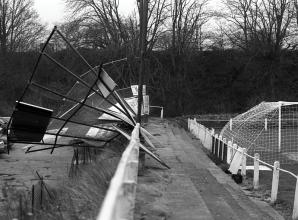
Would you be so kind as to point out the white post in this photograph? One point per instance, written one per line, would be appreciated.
(243, 165)
(205, 134)
(256, 171)
(275, 180)
(279, 127)
(230, 152)
(215, 140)
(218, 147)
(224, 140)
(188, 123)
(266, 124)
(231, 124)
(161, 113)
(295, 207)
(234, 149)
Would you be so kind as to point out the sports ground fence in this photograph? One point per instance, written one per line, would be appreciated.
(236, 157)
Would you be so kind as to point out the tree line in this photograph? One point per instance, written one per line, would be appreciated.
(199, 59)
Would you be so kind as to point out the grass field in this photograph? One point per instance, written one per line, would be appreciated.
(286, 189)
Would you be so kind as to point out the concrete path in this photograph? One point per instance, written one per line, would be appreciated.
(194, 187)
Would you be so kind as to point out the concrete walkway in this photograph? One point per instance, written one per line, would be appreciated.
(194, 187)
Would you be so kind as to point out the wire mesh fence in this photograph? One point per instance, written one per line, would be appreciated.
(270, 129)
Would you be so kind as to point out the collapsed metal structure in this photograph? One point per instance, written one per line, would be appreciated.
(89, 113)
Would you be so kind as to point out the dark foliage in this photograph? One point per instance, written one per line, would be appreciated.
(206, 82)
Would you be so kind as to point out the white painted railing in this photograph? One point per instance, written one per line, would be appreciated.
(119, 201)
(201, 132)
(217, 146)
(161, 110)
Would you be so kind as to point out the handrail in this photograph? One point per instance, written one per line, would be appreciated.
(161, 109)
(120, 197)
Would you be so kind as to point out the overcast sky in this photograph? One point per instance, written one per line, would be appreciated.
(54, 11)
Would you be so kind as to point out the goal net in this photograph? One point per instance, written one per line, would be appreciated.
(270, 129)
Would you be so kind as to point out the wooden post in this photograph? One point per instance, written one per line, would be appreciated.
(295, 207)
(243, 165)
(231, 124)
(275, 180)
(256, 171)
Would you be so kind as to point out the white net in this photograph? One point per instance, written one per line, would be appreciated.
(270, 129)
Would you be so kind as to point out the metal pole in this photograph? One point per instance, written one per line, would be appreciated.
(279, 127)
(143, 10)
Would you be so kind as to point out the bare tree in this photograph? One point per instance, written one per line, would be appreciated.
(239, 15)
(261, 28)
(157, 21)
(19, 26)
(188, 16)
(104, 15)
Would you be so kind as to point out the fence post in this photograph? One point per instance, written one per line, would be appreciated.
(229, 152)
(234, 148)
(243, 165)
(216, 144)
(275, 180)
(195, 127)
(32, 199)
(295, 207)
(224, 151)
(187, 123)
(205, 133)
(219, 153)
(231, 124)
(256, 171)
